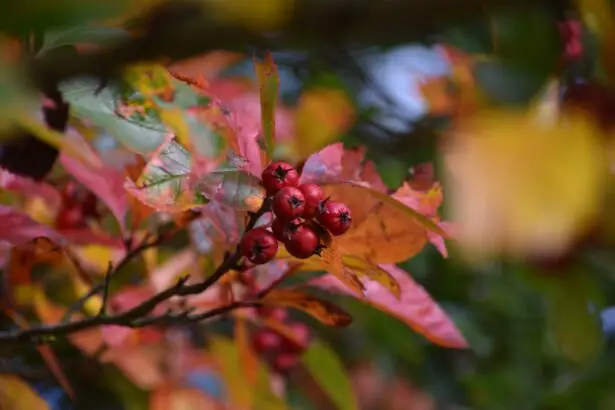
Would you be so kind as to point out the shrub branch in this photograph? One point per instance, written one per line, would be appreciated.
(141, 315)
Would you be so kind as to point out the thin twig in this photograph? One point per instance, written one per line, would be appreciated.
(145, 244)
(106, 285)
(139, 316)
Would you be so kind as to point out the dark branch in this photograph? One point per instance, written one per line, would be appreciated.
(139, 316)
(176, 30)
(106, 285)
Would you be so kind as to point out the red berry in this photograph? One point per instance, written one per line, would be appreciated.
(278, 175)
(283, 230)
(284, 362)
(313, 195)
(288, 203)
(265, 340)
(298, 344)
(303, 243)
(70, 218)
(335, 216)
(259, 245)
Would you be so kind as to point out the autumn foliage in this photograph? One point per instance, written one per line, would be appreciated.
(175, 223)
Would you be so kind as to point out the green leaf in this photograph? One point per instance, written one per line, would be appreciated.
(575, 330)
(166, 183)
(142, 136)
(528, 39)
(240, 189)
(239, 388)
(16, 99)
(41, 15)
(326, 368)
(268, 79)
(83, 34)
(506, 84)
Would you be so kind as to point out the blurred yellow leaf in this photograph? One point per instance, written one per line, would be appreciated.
(15, 394)
(524, 184)
(259, 15)
(40, 211)
(322, 115)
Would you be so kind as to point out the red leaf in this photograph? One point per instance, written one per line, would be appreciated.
(415, 307)
(334, 163)
(15, 183)
(104, 181)
(17, 227)
(427, 203)
(246, 120)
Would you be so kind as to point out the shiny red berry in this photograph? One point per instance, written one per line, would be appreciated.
(265, 340)
(313, 194)
(278, 175)
(335, 216)
(303, 243)
(283, 230)
(259, 246)
(288, 203)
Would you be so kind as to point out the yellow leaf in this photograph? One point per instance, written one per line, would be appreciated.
(248, 357)
(332, 260)
(322, 115)
(175, 120)
(15, 394)
(40, 211)
(521, 185)
(373, 272)
(391, 231)
(354, 268)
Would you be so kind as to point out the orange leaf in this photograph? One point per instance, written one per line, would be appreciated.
(436, 92)
(169, 396)
(140, 211)
(15, 394)
(415, 307)
(332, 259)
(267, 74)
(247, 355)
(23, 258)
(321, 309)
(388, 235)
(373, 272)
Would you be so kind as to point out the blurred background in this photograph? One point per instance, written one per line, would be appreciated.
(529, 283)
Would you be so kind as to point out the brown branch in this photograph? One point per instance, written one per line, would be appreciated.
(176, 30)
(139, 316)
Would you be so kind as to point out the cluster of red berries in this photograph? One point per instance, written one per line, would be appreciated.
(302, 217)
(78, 206)
(279, 351)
